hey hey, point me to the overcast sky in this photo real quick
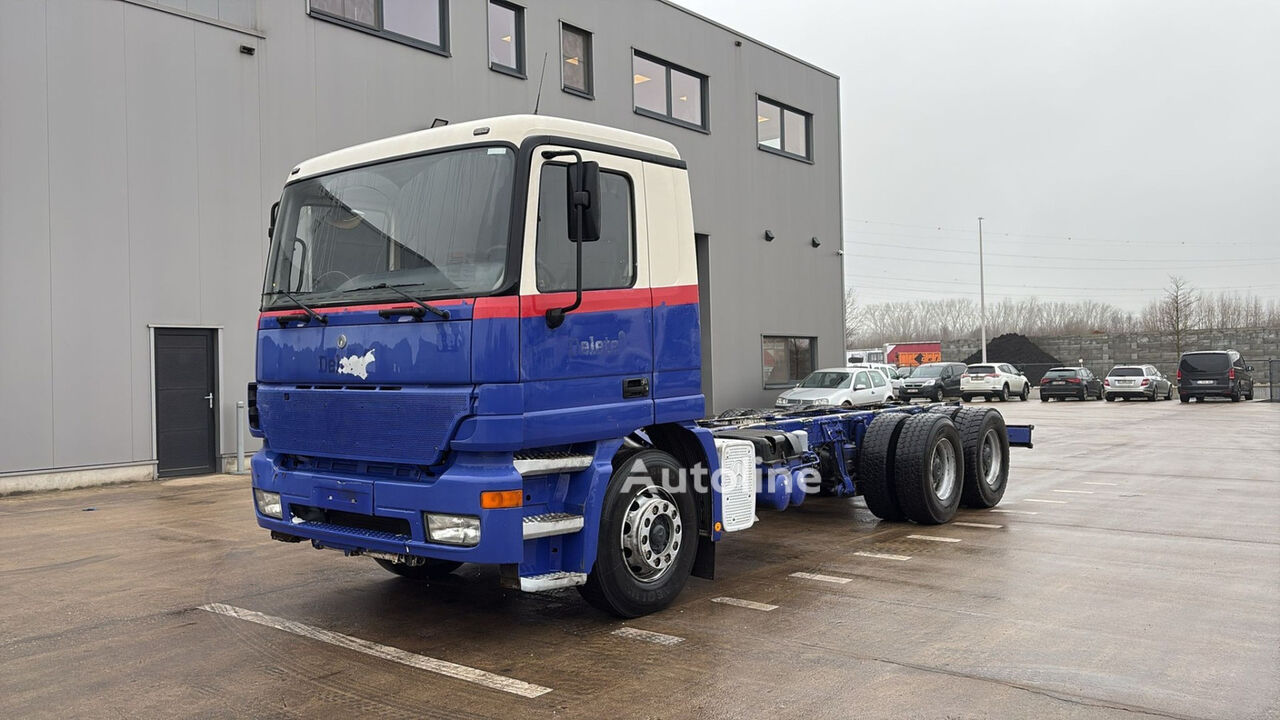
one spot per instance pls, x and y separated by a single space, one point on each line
1146 131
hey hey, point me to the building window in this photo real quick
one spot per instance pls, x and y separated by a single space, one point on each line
575 60
669 92
787 360
607 263
783 129
421 23
506 38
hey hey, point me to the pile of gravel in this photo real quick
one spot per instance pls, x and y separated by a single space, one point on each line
1017 350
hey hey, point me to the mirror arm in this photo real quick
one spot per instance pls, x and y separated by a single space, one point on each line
555 316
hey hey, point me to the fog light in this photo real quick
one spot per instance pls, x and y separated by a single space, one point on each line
453 529
268 503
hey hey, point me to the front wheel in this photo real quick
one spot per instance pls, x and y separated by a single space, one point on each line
937 395
1026 392
648 537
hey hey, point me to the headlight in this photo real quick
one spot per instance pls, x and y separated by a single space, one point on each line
268 503
820 401
781 402
930 381
453 529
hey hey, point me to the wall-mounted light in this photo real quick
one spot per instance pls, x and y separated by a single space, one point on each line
814 241
769 236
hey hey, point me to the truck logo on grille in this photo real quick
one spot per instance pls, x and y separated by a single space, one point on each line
356 365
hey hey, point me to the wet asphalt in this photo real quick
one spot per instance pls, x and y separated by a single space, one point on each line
1136 573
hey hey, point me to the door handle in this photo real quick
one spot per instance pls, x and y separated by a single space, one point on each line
209 397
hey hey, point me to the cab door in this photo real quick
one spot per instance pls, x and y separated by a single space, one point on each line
590 377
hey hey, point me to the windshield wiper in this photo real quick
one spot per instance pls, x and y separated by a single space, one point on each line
417 312
311 314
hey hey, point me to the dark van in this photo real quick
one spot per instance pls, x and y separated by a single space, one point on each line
1214 373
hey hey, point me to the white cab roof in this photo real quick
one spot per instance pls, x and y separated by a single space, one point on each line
512 129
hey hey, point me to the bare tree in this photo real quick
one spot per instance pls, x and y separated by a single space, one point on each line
1178 308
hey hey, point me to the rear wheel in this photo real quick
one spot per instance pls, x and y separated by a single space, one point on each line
1184 398
876 465
929 469
1003 395
986 457
432 569
1235 394
648 537
966 397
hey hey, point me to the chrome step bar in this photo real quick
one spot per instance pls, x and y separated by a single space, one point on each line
539 526
552 581
551 463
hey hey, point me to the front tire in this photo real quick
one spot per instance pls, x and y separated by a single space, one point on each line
1026 392
929 469
648 538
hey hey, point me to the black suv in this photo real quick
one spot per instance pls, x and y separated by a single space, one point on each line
933 381
1070 382
1214 373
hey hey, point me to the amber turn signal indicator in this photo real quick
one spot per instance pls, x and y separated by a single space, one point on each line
494 499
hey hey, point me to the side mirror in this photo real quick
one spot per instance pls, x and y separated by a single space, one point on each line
584 194
275 210
1248 368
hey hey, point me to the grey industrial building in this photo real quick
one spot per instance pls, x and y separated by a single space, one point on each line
142 143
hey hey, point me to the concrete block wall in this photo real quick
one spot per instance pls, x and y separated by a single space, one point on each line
1101 352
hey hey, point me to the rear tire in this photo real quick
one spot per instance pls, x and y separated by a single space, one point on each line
967 398
432 569
986 457
929 469
876 465
1235 395
1111 398
1185 399
1004 394
627 579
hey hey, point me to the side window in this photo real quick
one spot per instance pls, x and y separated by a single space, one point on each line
610 262
877 379
861 379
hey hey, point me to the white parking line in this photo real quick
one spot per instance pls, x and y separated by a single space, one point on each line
1075 492
1101 483
656 638
989 526
421 662
822 578
933 538
1014 512
749 604
882 556
1055 502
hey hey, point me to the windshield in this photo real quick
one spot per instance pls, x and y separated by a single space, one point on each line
434 225
905 372
1125 372
1062 373
928 371
827 380
1205 362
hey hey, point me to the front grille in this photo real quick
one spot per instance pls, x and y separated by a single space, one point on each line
372 525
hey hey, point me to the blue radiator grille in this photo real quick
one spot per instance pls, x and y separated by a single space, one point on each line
409 425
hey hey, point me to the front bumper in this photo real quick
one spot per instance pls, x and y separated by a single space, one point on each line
365 513
919 391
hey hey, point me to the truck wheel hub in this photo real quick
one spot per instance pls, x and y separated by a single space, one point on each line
651 530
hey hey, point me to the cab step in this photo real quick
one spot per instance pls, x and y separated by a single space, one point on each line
529 463
552 581
548 524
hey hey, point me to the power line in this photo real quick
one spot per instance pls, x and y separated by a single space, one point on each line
1025 256
1191 264
1032 236
963 283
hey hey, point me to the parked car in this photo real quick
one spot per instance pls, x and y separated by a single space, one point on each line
889 372
847 387
933 381
1137 381
994 381
1070 382
1214 373
904 371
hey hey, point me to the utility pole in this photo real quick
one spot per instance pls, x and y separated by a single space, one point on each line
982 296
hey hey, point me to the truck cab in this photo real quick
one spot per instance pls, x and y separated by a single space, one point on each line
445 374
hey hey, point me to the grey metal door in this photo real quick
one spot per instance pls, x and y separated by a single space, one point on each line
186 398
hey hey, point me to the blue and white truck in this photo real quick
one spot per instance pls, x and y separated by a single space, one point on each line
479 343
